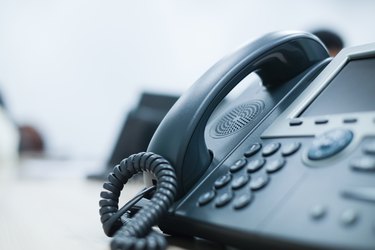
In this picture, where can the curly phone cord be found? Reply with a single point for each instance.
(137, 233)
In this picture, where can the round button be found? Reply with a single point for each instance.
(275, 165)
(253, 150)
(242, 201)
(271, 148)
(223, 199)
(290, 148)
(259, 182)
(238, 165)
(317, 212)
(222, 181)
(255, 165)
(349, 217)
(329, 144)
(240, 181)
(206, 198)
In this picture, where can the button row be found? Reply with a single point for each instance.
(253, 166)
(240, 181)
(318, 121)
(271, 148)
(348, 217)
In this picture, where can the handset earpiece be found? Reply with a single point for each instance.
(275, 57)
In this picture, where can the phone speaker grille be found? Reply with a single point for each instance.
(237, 119)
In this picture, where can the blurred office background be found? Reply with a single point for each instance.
(74, 68)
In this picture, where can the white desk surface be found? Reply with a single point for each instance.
(49, 204)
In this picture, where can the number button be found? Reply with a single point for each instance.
(223, 199)
(255, 165)
(290, 148)
(253, 150)
(240, 181)
(242, 201)
(238, 165)
(206, 198)
(259, 182)
(275, 165)
(271, 148)
(222, 181)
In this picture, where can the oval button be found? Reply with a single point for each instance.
(329, 144)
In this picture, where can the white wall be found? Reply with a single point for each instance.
(73, 68)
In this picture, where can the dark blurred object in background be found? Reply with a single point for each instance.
(138, 128)
(31, 140)
(331, 39)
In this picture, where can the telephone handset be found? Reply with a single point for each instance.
(276, 57)
(263, 179)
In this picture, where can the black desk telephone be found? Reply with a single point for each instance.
(288, 163)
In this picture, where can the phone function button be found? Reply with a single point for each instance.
(222, 181)
(329, 144)
(360, 194)
(238, 165)
(317, 212)
(255, 165)
(275, 165)
(253, 150)
(206, 198)
(350, 120)
(295, 122)
(243, 200)
(363, 163)
(349, 217)
(223, 199)
(259, 182)
(369, 147)
(321, 121)
(240, 181)
(290, 148)
(271, 148)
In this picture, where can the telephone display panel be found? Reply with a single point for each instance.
(352, 90)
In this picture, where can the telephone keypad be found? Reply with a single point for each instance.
(223, 199)
(271, 148)
(222, 180)
(255, 165)
(253, 150)
(246, 175)
(275, 165)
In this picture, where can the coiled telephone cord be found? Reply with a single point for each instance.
(136, 232)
